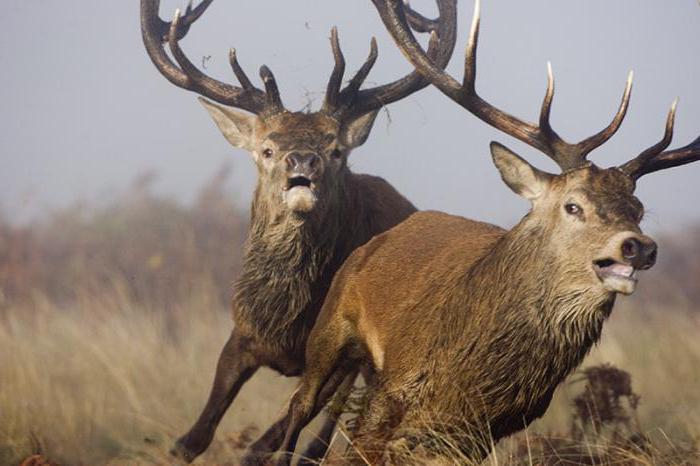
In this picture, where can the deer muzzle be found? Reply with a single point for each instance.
(625, 254)
(303, 168)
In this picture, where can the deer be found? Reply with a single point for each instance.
(468, 327)
(308, 213)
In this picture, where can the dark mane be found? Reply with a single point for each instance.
(282, 265)
(289, 262)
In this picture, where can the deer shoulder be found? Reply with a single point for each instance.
(412, 260)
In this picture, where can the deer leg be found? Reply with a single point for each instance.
(374, 429)
(318, 447)
(260, 451)
(304, 405)
(237, 363)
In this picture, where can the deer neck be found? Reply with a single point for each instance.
(528, 282)
(526, 324)
(285, 258)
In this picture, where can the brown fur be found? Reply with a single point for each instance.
(288, 266)
(309, 211)
(469, 327)
(291, 254)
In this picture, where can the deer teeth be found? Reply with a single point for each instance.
(621, 270)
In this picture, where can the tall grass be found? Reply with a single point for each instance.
(112, 317)
(646, 412)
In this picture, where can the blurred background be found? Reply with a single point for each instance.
(123, 210)
(85, 111)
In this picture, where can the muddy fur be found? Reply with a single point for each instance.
(470, 328)
(284, 258)
(290, 259)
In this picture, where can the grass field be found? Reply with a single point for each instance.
(111, 320)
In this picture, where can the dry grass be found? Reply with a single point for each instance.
(111, 320)
(646, 414)
(106, 381)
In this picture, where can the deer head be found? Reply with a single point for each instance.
(591, 219)
(301, 157)
(586, 209)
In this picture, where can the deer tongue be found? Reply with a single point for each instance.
(623, 270)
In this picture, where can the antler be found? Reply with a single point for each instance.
(191, 15)
(348, 102)
(654, 159)
(541, 136)
(187, 76)
(352, 102)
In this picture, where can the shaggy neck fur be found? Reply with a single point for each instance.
(285, 255)
(516, 337)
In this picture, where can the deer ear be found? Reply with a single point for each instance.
(354, 133)
(237, 127)
(519, 175)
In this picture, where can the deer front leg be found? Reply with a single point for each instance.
(305, 404)
(340, 382)
(375, 427)
(237, 363)
(317, 448)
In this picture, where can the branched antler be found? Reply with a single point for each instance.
(541, 136)
(348, 102)
(186, 75)
(654, 158)
(351, 101)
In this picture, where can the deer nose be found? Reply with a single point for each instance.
(641, 251)
(303, 162)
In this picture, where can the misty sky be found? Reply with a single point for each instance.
(85, 111)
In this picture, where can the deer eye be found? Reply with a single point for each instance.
(336, 154)
(573, 209)
(267, 153)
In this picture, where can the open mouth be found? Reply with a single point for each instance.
(298, 182)
(609, 268)
(299, 194)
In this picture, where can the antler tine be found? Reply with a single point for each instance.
(588, 145)
(417, 21)
(469, 80)
(191, 15)
(574, 155)
(183, 73)
(152, 33)
(238, 71)
(542, 136)
(646, 162)
(673, 158)
(440, 51)
(273, 101)
(393, 18)
(203, 84)
(364, 70)
(357, 80)
(556, 143)
(335, 81)
(337, 101)
(191, 71)
(345, 99)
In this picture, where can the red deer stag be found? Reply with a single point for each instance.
(469, 328)
(309, 210)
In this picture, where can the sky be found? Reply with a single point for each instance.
(84, 111)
